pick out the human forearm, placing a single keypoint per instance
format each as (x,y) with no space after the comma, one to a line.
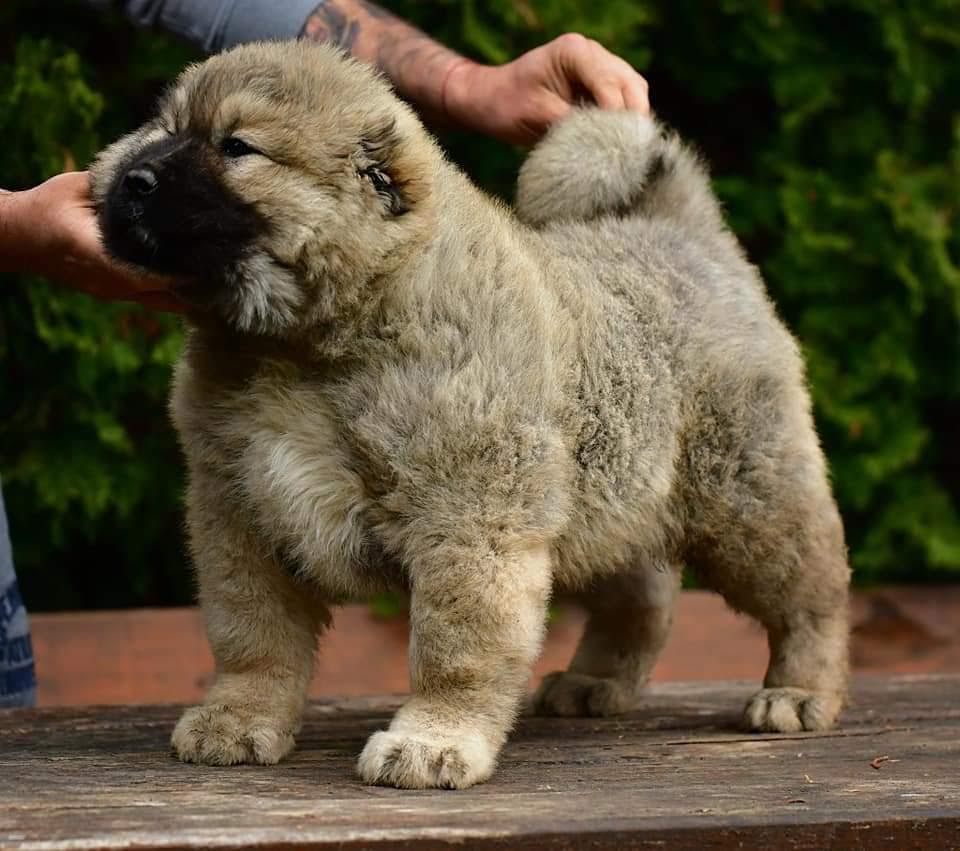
(419,67)
(25,236)
(11,243)
(516,102)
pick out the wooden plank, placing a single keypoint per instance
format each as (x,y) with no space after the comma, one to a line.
(676,772)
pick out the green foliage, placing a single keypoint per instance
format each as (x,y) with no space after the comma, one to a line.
(91,473)
(833,131)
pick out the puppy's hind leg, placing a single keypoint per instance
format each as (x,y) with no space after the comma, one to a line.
(792,576)
(629,621)
(262,628)
(806,613)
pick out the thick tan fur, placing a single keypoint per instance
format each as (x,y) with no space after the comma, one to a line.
(483,408)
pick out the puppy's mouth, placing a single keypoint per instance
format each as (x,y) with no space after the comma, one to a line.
(169,211)
(135,242)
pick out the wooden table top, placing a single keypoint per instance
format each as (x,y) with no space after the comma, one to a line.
(675,773)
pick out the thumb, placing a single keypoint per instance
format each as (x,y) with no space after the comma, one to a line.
(551,109)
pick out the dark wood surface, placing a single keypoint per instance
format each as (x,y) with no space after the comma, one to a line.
(676,773)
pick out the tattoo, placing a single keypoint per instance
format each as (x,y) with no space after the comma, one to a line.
(328,23)
(415,63)
(395,46)
(375,11)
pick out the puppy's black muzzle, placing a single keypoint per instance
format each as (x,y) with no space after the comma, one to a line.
(170,211)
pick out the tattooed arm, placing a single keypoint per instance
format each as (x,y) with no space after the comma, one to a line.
(419,67)
(515,102)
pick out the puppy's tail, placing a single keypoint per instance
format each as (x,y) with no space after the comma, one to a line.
(598,163)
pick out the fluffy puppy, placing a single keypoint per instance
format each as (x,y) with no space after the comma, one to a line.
(391,381)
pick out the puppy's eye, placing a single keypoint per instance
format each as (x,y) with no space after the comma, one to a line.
(388,190)
(234,147)
(380,180)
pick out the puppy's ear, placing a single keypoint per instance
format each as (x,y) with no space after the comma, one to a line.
(381,162)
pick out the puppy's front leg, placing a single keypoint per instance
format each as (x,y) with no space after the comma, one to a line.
(262,629)
(477,621)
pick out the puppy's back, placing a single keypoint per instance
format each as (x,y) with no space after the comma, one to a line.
(676,327)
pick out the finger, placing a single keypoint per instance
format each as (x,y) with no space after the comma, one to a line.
(588,65)
(76,183)
(139,281)
(531,123)
(552,108)
(634,90)
(110,286)
(636,94)
(608,94)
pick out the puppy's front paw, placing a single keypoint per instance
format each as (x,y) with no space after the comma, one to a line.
(413,760)
(790,710)
(217,734)
(567,694)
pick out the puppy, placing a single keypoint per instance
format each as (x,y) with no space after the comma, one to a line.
(391,381)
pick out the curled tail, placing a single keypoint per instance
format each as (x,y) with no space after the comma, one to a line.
(597,163)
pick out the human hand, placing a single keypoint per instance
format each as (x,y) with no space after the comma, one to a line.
(52,230)
(519,101)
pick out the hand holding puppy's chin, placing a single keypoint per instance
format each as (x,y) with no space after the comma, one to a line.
(61,241)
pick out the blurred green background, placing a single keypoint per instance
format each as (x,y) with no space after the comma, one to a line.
(833,131)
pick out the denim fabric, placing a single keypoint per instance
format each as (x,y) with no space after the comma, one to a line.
(218,24)
(18,682)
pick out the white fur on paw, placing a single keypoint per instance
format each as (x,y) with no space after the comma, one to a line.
(423,761)
(223,735)
(567,694)
(790,710)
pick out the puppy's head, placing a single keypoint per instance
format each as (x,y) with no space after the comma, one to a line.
(280,180)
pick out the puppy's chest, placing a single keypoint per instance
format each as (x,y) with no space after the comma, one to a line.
(300,486)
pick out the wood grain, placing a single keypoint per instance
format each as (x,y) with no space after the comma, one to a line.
(677,773)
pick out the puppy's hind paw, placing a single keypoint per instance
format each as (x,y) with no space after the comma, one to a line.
(223,735)
(790,710)
(422,761)
(568,694)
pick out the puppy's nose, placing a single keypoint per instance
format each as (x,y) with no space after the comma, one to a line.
(141,180)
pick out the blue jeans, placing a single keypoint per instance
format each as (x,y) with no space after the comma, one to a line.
(18,682)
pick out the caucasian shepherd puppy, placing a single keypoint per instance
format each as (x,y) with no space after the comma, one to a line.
(392,381)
